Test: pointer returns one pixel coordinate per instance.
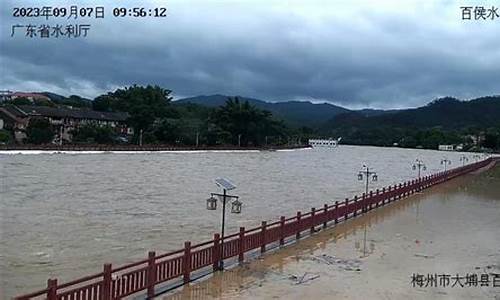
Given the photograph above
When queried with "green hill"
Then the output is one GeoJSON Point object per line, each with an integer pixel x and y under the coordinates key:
{"type": "Point", "coordinates": [295, 113]}
{"type": "Point", "coordinates": [445, 120]}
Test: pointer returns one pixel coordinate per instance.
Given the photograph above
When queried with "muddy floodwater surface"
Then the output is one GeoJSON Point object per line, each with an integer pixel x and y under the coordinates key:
{"type": "Point", "coordinates": [449, 229]}
{"type": "Point", "coordinates": [64, 215]}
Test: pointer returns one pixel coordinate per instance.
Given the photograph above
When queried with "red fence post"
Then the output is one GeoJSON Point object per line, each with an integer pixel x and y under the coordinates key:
{"type": "Point", "coordinates": [387, 194]}
{"type": "Point", "coordinates": [186, 262]}
{"type": "Point", "coordinates": [377, 193]}
{"type": "Point", "coordinates": [241, 249]}
{"type": "Point", "coordinates": [298, 229]}
{"type": "Point", "coordinates": [282, 230]}
{"type": "Point", "coordinates": [356, 203]}
{"type": "Point", "coordinates": [336, 212]}
{"type": "Point", "coordinates": [52, 289]}
{"type": "Point", "coordinates": [371, 199]}
{"type": "Point", "coordinates": [151, 274]}
{"type": "Point", "coordinates": [346, 213]}
{"type": "Point", "coordinates": [106, 283]}
{"type": "Point", "coordinates": [325, 215]}
{"type": "Point", "coordinates": [216, 252]}
{"type": "Point", "coordinates": [313, 221]}
{"type": "Point", "coordinates": [263, 237]}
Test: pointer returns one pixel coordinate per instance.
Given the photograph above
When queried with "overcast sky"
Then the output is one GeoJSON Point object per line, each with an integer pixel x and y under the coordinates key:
{"type": "Point", "coordinates": [391, 54]}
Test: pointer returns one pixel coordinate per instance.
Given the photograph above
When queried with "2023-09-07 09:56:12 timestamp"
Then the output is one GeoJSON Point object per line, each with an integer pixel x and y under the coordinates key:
{"type": "Point", "coordinates": [140, 12]}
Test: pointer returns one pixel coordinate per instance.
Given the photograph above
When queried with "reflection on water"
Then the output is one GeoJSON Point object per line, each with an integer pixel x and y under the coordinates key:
{"type": "Point", "coordinates": [422, 234]}
{"type": "Point", "coordinates": [64, 215]}
{"type": "Point", "coordinates": [253, 274]}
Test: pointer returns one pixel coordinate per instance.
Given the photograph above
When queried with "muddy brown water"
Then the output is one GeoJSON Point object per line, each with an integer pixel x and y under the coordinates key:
{"type": "Point", "coordinates": [64, 215]}
{"type": "Point", "coordinates": [449, 229]}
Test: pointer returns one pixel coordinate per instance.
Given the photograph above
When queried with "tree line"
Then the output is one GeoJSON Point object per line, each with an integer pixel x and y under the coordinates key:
{"type": "Point", "coordinates": [156, 119]}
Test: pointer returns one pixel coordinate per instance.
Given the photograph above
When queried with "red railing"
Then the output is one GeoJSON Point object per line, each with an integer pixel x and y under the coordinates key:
{"type": "Point", "coordinates": [180, 265]}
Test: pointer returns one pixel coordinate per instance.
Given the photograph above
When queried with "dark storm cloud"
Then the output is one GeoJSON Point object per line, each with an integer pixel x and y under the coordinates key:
{"type": "Point", "coordinates": [348, 53]}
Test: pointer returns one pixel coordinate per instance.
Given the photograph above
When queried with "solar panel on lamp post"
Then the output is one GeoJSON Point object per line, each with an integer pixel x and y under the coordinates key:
{"type": "Point", "coordinates": [236, 206]}
{"type": "Point", "coordinates": [366, 173]}
{"type": "Point", "coordinates": [419, 165]}
{"type": "Point", "coordinates": [464, 159]}
{"type": "Point", "coordinates": [445, 162]}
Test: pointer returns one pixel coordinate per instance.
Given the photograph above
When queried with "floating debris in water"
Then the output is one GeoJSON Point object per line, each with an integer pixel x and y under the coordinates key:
{"type": "Point", "coordinates": [424, 255]}
{"type": "Point", "coordinates": [343, 264]}
{"type": "Point", "coordinates": [304, 278]}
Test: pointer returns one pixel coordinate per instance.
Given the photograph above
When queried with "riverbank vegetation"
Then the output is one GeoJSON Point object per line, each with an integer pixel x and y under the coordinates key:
{"type": "Point", "coordinates": [156, 119]}
{"type": "Point", "coordinates": [222, 120]}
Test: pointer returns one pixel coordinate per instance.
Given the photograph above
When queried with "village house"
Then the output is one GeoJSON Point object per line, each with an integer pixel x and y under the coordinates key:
{"type": "Point", "coordinates": [6, 95]}
{"type": "Point", "coordinates": [64, 120]}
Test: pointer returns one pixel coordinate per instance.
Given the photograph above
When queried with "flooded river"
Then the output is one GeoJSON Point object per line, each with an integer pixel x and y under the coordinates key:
{"type": "Point", "coordinates": [447, 230]}
{"type": "Point", "coordinates": [63, 215]}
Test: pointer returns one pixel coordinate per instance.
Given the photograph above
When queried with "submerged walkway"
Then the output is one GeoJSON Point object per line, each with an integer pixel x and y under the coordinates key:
{"type": "Point", "coordinates": [449, 229]}
{"type": "Point", "coordinates": [160, 272]}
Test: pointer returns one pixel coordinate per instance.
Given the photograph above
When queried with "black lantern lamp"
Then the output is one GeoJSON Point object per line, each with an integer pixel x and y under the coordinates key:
{"type": "Point", "coordinates": [212, 203]}
{"type": "Point", "coordinates": [236, 206]}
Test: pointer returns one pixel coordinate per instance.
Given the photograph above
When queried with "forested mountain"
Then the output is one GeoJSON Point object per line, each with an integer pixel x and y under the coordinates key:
{"type": "Point", "coordinates": [295, 113]}
{"type": "Point", "coordinates": [448, 113]}
{"type": "Point", "coordinates": [73, 100]}
{"type": "Point", "coordinates": [445, 120]}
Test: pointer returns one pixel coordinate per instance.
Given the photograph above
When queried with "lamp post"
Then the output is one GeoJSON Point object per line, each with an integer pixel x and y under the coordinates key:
{"type": "Point", "coordinates": [236, 205]}
{"type": "Point", "coordinates": [445, 162]}
{"type": "Point", "coordinates": [367, 174]}
{"type": "Point", "coordinates": [419, 165]}
{"type": "Point", "coordinates": [464, 159]}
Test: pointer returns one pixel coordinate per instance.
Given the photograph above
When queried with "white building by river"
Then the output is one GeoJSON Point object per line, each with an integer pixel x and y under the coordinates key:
{"type": "Point", "coordinates": [329, 143]}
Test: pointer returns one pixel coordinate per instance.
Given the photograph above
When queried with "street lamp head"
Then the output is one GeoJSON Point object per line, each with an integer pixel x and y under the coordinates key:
{"type": "Point", "coordinates": [374, 177]}
{"type": "Point", "coordinates": [424, 168]}
{"type": "Point", "coordinates": [360, 176]}
{"type": "Point", "coordinates": [414, 167]}
{"type": "Point", "coordinates": [236, 206]}
{"type": "Point", "coordinates": [212, 203]}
